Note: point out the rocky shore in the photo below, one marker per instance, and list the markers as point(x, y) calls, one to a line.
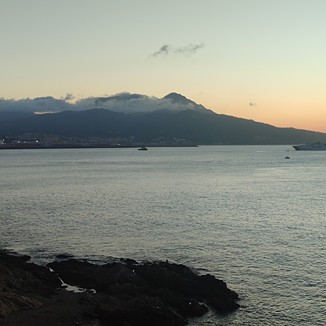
point(122, 293)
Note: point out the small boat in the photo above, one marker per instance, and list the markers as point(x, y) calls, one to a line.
point(142, 148)
point(287, 157)
point(318, 146)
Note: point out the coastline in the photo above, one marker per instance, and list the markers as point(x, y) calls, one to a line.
point(121, 293)
point(70, 146)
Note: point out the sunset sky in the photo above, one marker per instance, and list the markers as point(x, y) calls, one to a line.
point(257, 59)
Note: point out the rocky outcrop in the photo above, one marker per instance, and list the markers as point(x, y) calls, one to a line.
point(23, 285)
point(12, 302)
point(126, 293)
point(140, 293)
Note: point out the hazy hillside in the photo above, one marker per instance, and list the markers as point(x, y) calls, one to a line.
point(196, 125)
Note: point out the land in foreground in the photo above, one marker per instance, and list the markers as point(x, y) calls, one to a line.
point(120, 293)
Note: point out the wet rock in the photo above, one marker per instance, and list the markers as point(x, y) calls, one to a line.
point(127, 293)
point(63, 256)
point(104, 278)
point(183, 280)
point(180, 291)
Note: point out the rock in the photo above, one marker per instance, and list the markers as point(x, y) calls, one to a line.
point(12, 302)
point(18, 275)
point(183, 280)
point(23, 285)
point(187, 307)
point(180, 291)
point(128, 293)
point(64, 256)
point(141, 310)
point(103, 279)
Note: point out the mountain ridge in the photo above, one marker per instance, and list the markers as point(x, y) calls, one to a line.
point(189, 122)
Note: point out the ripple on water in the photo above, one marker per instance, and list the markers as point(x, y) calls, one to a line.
point(242, 213)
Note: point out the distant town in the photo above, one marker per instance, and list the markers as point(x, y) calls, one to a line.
point(26, 141)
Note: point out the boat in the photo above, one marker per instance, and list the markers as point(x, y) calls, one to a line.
point(143, 148)
point(318, 146)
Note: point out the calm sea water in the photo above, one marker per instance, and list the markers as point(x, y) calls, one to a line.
point(242, 213)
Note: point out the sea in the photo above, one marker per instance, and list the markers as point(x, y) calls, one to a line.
point(245, 214)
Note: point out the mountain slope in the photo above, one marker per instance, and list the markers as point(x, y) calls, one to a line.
point(195, 125)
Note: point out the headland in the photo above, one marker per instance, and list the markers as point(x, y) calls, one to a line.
point(124, 292)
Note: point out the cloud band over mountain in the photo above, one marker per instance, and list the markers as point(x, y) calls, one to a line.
point(123, 102)
point(39, 104)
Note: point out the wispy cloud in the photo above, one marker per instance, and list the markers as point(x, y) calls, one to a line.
point(184, 50)
point(68, 97)
point(189, 49)
point(164, 50)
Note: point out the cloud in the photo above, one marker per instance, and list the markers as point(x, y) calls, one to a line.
point(68, 97)
point(184, 50)
point(132, 103)
point(39, 104)
point(122, 102)
point(164, 50)
point(189, 49)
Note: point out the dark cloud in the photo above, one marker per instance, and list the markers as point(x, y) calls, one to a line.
point(69, 97)
point(184, 50)
point(164, 50)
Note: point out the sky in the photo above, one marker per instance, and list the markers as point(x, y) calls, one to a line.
point(255, 59)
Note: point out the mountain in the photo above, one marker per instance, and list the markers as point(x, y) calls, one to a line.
point(8, 116)
point(136, 103)
point(174, 117)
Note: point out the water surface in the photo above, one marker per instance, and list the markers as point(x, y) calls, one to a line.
point(243, 213)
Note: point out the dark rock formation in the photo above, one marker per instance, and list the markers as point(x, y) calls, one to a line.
point(140, 293)
point(23, 285)
point(126, 293)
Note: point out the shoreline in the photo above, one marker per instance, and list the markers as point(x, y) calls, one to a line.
point(71, 146)
point(125, 292)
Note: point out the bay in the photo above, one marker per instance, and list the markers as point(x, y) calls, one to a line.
point(245, 214)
